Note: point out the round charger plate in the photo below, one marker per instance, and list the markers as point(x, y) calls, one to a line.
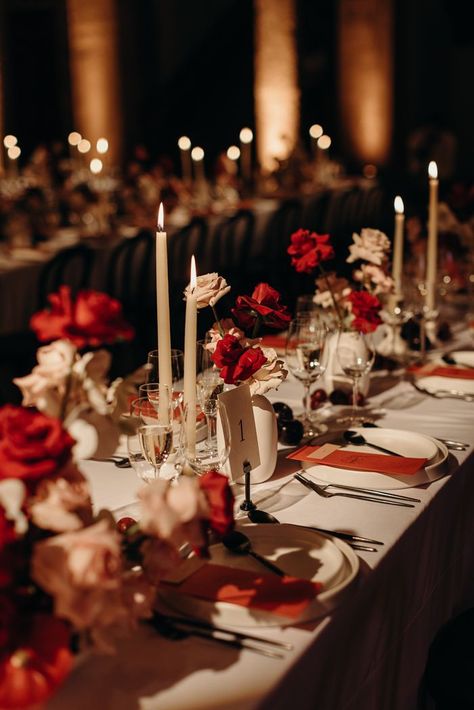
point(407, 443)
point(300, 552)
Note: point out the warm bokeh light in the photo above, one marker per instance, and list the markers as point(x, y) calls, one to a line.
point(276, 81)
point(96, 166)
point(369, 171)
point(184, 143)
point(316, 131)
point(233, 152)
point(14, 152)
point(161, 218)
point(193, 279)
point(365, 61)
point(398, 205)
point(84, 145)
point(102, 145)
point(433, 170)
point(74, 138)
point(10, 141)
point(197, 153)
point(324, 142)
point(246, 135)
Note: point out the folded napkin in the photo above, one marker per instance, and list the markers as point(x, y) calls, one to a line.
point(431, 370)
point(284, 596)
point(332, 455)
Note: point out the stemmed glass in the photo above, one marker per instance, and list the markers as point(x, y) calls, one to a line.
point(304, 357)
point(177, 367)
point(209, 386)
point(356, 354)
point(202, 455)
point(156, 441)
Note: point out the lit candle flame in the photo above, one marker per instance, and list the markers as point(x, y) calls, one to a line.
point(398, 205)
point(197, 153)
point(433, 170)
point(233, 152)
point(193, 280)
point(246, 135)
point(10, 141)
point(316, 131)
point(324, 142)
point(184, 143)
point(161, 218)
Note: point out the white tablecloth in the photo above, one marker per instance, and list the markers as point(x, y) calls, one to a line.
point(371, 652)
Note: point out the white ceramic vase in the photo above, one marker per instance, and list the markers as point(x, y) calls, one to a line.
point(333, 377)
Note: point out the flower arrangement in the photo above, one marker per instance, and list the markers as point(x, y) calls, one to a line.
point(355, 307)
point(67, 383)
point(67, 574)
point(236, 350)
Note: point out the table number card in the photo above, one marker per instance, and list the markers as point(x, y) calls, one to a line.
point(244, 446)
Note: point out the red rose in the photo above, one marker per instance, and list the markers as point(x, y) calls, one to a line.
point(94, 318)
point(31, 673)
point(32, 445)
point(264, 303)
point(221, 501)
point(236, 363)
point(308, 250)
point(365, 309)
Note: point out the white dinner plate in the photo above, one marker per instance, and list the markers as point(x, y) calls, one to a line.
point(300, 552)
point(407, 443)
point(463, 357)
point(434, 383)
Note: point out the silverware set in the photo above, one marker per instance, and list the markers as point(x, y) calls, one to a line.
point(373, 496)
point(177, 628)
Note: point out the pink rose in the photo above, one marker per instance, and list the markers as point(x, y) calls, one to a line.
point(210, 288)
point(82, 572)
point(174, 514)
point(62, 504)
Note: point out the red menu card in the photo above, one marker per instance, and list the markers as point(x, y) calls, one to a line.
point(332, 455)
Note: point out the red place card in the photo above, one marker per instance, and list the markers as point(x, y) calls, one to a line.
point(331, 455)
point(285, 596)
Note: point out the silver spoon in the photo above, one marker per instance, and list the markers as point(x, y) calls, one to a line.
point(239, 544)
point(352, 437)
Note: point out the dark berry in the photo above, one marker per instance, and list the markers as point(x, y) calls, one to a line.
point(125, 523)
point(339, 397)
point(290, 432)
point(283, 412)
point(318, 398)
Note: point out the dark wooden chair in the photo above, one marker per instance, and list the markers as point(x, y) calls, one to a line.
point(71, 266)
point(230, 248)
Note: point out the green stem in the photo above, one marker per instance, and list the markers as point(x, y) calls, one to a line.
point(257, 325)
point(67, 392)
point(333, 298)
point(220, 328)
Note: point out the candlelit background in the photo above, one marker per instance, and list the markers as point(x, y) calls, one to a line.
point(247, 119)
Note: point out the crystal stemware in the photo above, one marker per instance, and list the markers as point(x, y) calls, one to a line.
point(202, 454)
point(356, 354)
point(156, 441)
point(304, 358)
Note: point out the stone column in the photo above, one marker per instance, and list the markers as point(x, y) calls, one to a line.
point(93, 51)
point(365, 49)
point(276, 80)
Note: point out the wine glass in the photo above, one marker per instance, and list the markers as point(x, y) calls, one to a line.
point(177, 367)
point(209, 387)
point(138, 461)
point(199, 453)
point(161, 399)
point(356, 354)
point(156, 442)
point(304, 357)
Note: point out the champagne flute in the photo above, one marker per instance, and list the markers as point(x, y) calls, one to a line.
point(304, 357)
point(156, 442)
point(209, 386)
point(356, 354)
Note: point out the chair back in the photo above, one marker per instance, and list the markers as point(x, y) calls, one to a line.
point(71, 267)
point(129, 271)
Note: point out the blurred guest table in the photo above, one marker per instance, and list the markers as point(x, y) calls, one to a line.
point(371, 651)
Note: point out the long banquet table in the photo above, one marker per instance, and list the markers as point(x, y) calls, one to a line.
point(371, 651)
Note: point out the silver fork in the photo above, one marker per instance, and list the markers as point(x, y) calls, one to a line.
point(321, 491)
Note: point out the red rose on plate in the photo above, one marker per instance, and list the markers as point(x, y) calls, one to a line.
point(31, 673)
point(220, 499)
point(264, 303)
point(235, 362)
point(365, 309)
point(94, 318)
point(32, 445)
point(308, 250)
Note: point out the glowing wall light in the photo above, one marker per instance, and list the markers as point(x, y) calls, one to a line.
point(366, 77)
point(92, 28)
point(276, 81)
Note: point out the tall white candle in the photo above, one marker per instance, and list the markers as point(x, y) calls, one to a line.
point(398, 245)
point(184, 145)
point(162, 305)
point(246, 138)
point(190, 338)
point(432, 247)
point(315, 132)
point(197, 155)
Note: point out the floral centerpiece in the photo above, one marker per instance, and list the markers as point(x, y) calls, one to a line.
point(70, 577)
point(70, 384)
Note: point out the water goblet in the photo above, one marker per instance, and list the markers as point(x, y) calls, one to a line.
point(177, 367)
point(199, 453)
point(304, 358)
point(356, 354)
